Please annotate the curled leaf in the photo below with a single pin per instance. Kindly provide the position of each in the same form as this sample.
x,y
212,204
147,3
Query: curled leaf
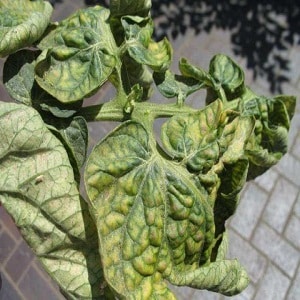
x,y
171,85
22,22
270,139
18,75
227,74
189,70
157,55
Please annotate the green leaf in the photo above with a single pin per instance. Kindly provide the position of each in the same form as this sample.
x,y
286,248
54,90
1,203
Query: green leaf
x,y
18,75
193,137
157,56
150,232
22,22
133,74
138,29
130,7
141,48
38,190
270,139
171,85
228,75
74,136
289,102
78,57
189,70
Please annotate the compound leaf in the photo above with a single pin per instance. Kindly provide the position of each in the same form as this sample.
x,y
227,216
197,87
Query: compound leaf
x,y
22,22
38,190
78,55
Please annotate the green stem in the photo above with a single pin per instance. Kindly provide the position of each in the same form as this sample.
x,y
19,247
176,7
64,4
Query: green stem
x,y
112,111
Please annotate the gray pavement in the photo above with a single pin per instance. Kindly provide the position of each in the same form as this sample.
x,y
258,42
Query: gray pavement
x,y
264,233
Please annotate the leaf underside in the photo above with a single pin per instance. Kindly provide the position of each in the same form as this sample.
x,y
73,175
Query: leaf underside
x,y
38,189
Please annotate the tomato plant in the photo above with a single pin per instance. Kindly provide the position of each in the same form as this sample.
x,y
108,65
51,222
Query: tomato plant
x,y
155,211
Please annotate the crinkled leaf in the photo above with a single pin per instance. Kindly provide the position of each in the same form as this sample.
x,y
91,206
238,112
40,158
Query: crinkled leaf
x,y
78,56
130,7
227,74
138,29
151,231
270,139
38,189
18,75
189,70
193,137
215,151
232,180
22,22
171,85
157,55
289,102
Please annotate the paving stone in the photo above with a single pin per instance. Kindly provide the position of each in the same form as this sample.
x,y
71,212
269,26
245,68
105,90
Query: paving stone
x,y
294,292
279,251
8,291
294,71
281,203
19,261
253,261
292,232
183,292
7,246
289,167
296,147
273,286
34,287
295,126
267,180
249,210
8,223
200,295
297,207
247,294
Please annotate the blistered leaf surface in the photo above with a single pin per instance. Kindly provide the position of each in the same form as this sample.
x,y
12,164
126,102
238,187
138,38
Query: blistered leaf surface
x,y
153,222
22,22
38,189
79,55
